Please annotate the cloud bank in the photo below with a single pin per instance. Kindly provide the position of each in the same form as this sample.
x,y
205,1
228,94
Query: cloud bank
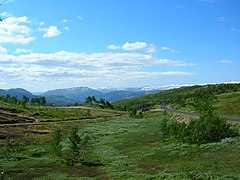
x,y
15,30
66,66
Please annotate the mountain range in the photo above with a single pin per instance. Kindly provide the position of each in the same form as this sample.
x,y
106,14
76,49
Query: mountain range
x,y
78,94
18,92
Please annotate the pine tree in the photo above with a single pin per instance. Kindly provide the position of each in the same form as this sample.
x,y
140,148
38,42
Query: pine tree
x,y
24,101
57,147
74,139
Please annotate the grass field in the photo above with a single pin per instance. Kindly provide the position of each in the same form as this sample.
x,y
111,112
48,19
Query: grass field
x,y
228,104
119,148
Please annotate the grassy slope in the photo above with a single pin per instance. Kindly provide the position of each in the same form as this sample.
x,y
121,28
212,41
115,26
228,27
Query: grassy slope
x,y
227,104
127,148
164,97
40,114
132,149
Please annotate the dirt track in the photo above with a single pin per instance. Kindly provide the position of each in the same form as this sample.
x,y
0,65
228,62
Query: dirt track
x,y
166,108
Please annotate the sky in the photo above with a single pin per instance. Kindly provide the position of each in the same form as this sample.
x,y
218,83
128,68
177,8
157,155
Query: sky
x,y
52,44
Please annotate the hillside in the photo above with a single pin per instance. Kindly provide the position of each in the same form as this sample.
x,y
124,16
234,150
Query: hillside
x,y
165,97
71,96
17,92
227,102
79,94
114,96
113,142
59,100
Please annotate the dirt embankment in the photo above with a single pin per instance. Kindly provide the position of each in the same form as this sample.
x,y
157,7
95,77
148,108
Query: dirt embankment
x,y
12,118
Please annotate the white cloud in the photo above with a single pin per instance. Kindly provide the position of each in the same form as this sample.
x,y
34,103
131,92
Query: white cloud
x,y
103,60
51,31
69,66
149,75
225,62
20,51
9,1
66,28
134,46
41,23
3,50
164,48
5,14
6,1
113,47
64,20
14,30
149,48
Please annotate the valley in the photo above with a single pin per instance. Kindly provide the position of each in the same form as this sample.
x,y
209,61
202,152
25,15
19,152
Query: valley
x,y
77,95
117,144
119,90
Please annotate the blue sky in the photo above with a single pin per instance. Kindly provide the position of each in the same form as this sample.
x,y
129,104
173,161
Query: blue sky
x,y
106,43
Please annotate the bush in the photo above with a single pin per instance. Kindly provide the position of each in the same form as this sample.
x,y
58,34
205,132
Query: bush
x,y
39,152
2,172
57,147
208,128
75,140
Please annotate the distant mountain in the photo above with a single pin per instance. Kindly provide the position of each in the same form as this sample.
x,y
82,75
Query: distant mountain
x,y
18,92
59,100
51,99
2,92
136,89
182,97
119,95
77,94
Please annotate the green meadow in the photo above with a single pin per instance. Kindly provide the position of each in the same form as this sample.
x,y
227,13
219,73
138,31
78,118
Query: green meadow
x,y
119,147
94,142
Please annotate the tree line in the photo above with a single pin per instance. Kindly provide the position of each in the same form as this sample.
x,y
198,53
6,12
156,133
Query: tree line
x,y
208,128
180,97
91,100
37,101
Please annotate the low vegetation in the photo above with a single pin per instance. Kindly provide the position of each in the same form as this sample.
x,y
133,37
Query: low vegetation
x,y
207,129
95,143
191,98
102,103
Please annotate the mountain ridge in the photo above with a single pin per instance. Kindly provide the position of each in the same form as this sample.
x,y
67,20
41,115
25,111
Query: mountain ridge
x,y
18,92
110,94
73,95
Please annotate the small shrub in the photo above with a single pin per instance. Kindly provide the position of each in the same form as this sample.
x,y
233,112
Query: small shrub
x,y
2,172
74,139
39,152
57,147
208,128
